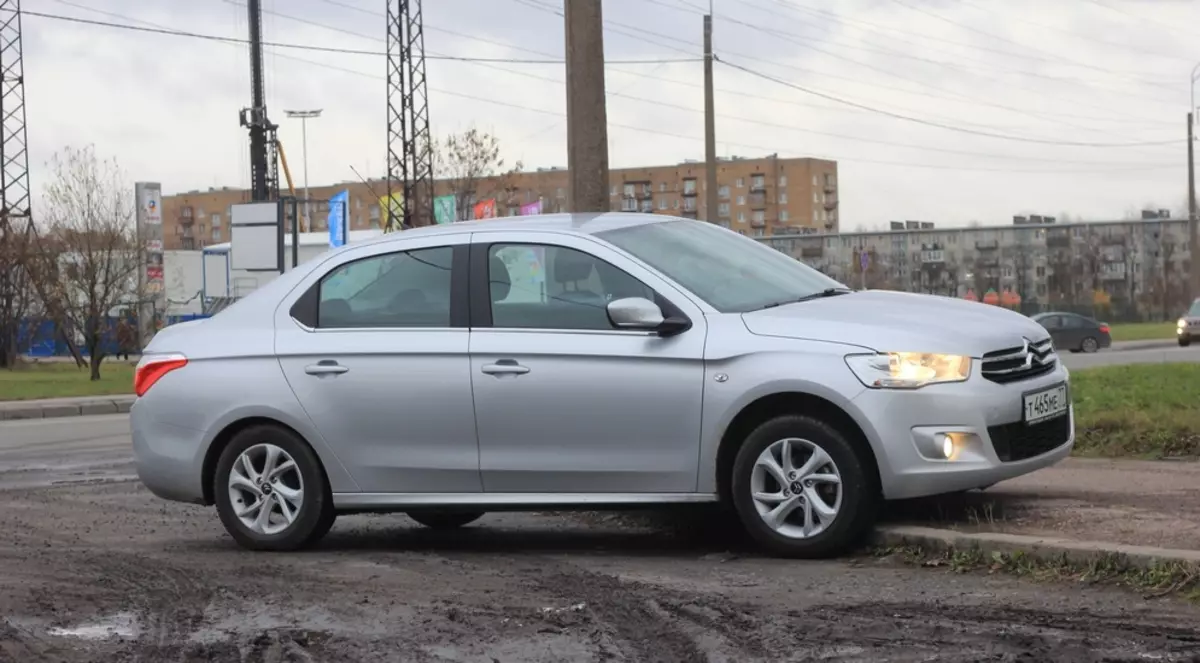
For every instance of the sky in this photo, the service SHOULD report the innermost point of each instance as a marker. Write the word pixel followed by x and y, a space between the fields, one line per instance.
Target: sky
pixel 952 111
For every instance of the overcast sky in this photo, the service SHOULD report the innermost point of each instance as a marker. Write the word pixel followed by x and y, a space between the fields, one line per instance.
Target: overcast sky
pixel 1095 93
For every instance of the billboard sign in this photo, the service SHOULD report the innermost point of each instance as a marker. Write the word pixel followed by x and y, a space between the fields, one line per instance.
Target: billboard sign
pixel 337 218
pixel 445 209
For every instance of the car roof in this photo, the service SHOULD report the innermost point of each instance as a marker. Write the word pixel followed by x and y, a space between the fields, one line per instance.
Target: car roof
pixel 588 223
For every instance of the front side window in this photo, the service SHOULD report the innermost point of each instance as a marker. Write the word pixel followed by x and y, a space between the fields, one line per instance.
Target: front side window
pixel 409 289
pixel 732 274
pixel 537 286
pixel 1195 310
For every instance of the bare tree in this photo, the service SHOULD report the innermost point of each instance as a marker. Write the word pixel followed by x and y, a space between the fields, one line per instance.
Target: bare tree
pixel 17 297
pixel 89 214
pixel 471 163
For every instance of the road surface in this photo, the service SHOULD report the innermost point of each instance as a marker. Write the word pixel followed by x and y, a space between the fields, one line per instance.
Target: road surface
pixel 1166 354
pixel 97 569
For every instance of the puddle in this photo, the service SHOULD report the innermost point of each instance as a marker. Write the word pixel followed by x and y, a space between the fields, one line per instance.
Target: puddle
pixel 120 625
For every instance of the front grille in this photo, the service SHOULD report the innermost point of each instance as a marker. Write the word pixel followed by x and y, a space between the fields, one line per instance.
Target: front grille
pixel 1018 441
pixel 1019 363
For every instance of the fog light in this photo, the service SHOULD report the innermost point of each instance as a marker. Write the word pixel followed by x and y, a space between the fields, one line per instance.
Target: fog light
pixel 947 447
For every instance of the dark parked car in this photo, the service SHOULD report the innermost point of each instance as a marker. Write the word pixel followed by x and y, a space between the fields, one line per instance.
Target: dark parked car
pixel 1074 332
pixel 1188 326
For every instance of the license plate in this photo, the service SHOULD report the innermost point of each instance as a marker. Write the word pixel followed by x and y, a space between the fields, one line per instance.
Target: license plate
pixel 1046 404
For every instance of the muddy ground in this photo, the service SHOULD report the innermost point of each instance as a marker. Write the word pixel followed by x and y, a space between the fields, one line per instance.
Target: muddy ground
pixel 93 568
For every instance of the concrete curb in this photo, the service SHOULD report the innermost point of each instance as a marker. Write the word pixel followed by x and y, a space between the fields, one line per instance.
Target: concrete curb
pixel 67 407
pixel 1077 552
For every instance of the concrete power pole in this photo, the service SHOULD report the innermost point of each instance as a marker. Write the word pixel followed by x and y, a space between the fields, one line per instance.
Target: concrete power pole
pixel 1193 238
pixel 587 117
pixel 710 128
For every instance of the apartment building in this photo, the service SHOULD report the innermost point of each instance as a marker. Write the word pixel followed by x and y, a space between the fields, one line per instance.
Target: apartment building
pixel 1137 268
pixel 758 197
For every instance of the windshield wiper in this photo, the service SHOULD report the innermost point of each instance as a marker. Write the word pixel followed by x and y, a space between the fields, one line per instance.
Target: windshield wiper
pixel 827 292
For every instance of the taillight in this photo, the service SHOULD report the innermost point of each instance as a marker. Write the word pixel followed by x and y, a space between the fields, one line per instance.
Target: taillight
pixel 152 367
pixel 1103 329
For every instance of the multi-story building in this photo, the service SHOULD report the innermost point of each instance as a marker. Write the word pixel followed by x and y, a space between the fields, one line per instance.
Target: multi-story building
pixel 757 197
pixel 1134 269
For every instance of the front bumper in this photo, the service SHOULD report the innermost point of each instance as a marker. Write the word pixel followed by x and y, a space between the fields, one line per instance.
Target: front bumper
pixel 983 416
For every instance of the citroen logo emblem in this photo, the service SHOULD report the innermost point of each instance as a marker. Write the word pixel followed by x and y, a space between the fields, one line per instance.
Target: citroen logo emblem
pixel 1028 354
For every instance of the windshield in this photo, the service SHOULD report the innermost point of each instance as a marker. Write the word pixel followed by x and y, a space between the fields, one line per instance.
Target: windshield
pixel 732 273
pixel 1194 311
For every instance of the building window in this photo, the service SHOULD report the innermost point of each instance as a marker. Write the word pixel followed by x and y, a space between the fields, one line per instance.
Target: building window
pixel 741 217
pixel 741 200
pixel 741 182
pixel 628 190
pixel 756 232
pixel 759 216
pixel 216 234
pixel 783 198
pixel 689 186
pixel 662 203
pixel 758 181
pixel 816 196
pixel 723 192
pixel 783 180
pixel 662 187
pixel 783 215
pixel 723 209
pixel 612 191
pixel 560 193
pixel 816 181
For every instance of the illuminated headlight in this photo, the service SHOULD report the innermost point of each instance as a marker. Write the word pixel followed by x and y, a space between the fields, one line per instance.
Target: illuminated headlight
pixel 1181 324
pixel 908 370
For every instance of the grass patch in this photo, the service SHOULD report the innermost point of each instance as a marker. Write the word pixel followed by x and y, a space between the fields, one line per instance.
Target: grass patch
pixel 1139 410
pixel 58 380
pixel 1156 580
pixel 1142 331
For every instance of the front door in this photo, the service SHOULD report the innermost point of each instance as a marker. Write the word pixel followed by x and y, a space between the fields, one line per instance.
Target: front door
pixel 564 402
pixel 384 373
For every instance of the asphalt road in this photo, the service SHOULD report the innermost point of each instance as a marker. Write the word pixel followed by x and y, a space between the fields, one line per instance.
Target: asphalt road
pixel 95 568
pixel 1165 353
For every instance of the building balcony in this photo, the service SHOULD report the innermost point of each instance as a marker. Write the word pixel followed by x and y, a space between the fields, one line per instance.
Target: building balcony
pixel 830 188
pixel 1058 241
pixel 1112 240
pixel 812 252
pixel 831 203
pixel 987 245
pixel 689 194
pixel 989 262
pixel 757 201
pixel 629 205
pixel 761 187
pixel 758 223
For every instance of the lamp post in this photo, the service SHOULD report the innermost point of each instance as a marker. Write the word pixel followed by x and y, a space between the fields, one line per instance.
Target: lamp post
pixel 303 116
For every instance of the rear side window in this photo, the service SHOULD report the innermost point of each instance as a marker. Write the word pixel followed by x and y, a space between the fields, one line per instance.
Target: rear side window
pixel 407 289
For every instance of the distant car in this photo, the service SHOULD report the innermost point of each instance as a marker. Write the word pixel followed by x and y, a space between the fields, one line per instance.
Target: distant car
pixel 1189 324
pixel 588 361
pixel 1074 332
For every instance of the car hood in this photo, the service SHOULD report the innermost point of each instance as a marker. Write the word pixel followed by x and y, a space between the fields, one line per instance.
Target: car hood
pixel 888 321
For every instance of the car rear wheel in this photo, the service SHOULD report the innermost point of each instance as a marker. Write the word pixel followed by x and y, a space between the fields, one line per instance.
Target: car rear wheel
pixel 445 519
pixel 1089 344
pixel 800 488
pixel 271 491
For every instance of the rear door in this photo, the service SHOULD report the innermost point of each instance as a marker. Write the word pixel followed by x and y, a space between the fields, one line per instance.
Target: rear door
pixel 1058 333
pixel 376 352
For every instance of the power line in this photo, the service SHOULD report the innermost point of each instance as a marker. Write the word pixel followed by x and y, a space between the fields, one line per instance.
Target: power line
pixel 322 49
pixel 940 125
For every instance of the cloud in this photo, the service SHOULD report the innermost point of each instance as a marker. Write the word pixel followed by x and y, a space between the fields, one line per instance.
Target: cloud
pixel 1070 71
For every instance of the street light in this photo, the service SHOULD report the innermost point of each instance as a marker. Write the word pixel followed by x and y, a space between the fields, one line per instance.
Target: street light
pixel 303 116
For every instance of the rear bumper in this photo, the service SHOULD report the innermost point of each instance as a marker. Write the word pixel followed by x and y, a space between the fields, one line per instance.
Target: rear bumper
pixel 166 457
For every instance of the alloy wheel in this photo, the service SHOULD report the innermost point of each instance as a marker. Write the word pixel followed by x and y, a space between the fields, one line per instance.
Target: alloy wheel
pixel 796 488
pixel 266 489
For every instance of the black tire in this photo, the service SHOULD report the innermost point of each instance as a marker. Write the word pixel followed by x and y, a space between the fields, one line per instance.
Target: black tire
pixel 316 514
pixel 1185 341
pixel 445 519
pixel 860 497
pixel 1089 345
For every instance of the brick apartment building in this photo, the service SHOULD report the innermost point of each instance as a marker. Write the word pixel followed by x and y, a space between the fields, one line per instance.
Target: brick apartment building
pixel 759 197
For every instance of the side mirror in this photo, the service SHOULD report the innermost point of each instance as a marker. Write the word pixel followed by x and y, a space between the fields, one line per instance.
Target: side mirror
pixel 639 313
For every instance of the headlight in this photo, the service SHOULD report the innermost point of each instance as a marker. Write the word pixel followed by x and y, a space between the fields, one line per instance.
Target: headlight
pixel 908 370
pixel 1181 324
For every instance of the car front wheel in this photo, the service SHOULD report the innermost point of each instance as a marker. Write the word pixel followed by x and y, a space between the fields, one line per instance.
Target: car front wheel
pixel 1185 341
pixel 1089 345
pixel 271 492
pixel 801 489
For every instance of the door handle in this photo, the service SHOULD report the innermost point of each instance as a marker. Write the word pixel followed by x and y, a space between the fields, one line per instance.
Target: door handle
pixel 325 367
pixel 504 367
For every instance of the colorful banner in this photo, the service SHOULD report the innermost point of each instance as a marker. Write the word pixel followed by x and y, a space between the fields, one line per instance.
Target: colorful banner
pixel 445 209
pixel 397 211
pixel 531 208
pixel 337 218
pixel 485 209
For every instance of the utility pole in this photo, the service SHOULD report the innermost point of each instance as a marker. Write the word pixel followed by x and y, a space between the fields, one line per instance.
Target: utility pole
pixel 587 117
pixel 1193 238
pixel 710 127
pixel 264 176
